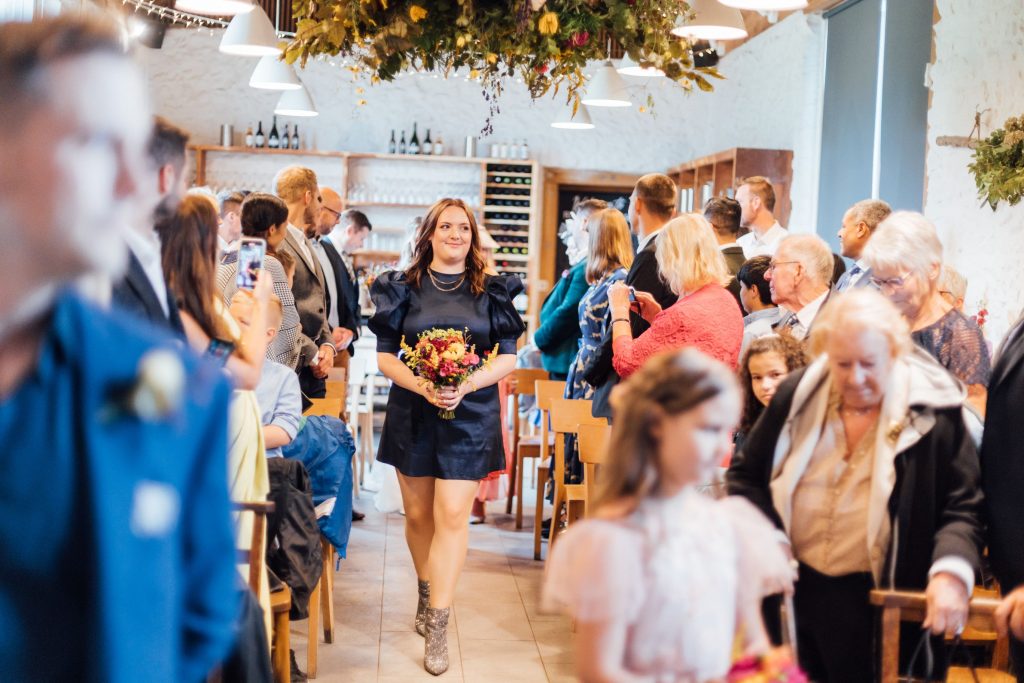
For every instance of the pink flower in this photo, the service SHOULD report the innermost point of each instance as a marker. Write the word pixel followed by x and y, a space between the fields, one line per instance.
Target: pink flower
pixel 579 39
pixel 472 359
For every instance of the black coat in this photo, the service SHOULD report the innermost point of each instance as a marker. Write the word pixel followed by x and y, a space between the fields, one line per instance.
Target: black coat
pixel 294 552
pixel 348 294
pixel 1002 464
pixel 935 506
pixel 643 276
pixel 134 294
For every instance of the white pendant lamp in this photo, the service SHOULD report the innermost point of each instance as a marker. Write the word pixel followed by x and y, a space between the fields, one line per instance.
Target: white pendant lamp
pixel 273 74
pixel 295 103
pixel 627 67
pixel 250 35
pixel 766 5
pixel 712 21
pixel 581 121
pixel 214 8
pixel 606 89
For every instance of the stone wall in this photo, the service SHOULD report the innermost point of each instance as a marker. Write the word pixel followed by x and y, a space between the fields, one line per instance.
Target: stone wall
pixel 979 63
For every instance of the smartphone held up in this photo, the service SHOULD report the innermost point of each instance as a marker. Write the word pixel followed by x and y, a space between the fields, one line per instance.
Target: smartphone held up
pixel 251 251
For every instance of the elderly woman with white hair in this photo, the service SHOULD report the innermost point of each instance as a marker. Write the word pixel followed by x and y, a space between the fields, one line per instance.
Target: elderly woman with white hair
pixel 705 317
pixel 905 257
pixel 863 460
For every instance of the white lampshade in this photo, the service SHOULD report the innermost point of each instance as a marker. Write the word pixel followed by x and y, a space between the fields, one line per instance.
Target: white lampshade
pixel 250 35
pixel 606 89
pixel 214 8
pixel 712 21
pixel 581 121
pixel 766 5
pixel 273 74
pixel 627 67
pixel 295 103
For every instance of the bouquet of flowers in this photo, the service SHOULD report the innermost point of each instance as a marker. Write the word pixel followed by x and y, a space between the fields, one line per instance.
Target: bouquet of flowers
pixel 775 666
pixel 444 358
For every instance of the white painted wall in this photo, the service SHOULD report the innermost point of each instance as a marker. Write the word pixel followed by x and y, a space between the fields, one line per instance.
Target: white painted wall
pixel 771 99
pixel 979 62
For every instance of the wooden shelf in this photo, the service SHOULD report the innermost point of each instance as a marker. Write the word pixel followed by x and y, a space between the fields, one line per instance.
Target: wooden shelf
pixel 511 174
pixel 508 186
pixel 400 205
pixel 268 150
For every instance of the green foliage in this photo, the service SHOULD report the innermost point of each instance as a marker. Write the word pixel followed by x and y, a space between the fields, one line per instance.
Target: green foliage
pixel 998 165
pixel 495 39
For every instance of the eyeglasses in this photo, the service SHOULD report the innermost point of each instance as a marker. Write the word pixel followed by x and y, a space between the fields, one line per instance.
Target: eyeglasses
pixel 775 264
pixel 337 214
pixel 892 283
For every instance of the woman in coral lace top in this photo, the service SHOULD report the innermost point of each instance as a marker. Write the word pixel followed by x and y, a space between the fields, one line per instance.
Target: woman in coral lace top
pixel 662 579
pixel 706 317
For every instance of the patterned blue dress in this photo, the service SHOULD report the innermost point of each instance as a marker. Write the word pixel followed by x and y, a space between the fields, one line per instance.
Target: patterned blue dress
pixel 594 321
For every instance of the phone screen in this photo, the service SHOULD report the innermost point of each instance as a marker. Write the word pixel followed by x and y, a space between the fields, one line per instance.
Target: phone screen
pixel 250 261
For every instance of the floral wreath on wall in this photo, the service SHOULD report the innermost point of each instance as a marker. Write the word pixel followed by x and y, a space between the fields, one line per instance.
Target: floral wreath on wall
pixel 998 165
pixel 546 43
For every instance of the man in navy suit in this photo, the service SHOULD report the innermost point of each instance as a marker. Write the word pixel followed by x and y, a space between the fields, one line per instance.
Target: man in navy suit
pixel 143 291
pixel 118 559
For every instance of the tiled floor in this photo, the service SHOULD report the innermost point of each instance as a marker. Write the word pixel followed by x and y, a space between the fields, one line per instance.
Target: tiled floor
pixel 496 635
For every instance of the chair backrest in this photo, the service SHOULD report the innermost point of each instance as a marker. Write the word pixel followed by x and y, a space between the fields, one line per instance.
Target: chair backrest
pixel 593 442
pixel 330 407
pixel 336 389
pixel 256 555
pixel 568 414
pixel 526 380
pixel 546 390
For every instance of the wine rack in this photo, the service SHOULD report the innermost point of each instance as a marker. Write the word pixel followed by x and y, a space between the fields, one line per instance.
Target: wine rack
pixel 508 213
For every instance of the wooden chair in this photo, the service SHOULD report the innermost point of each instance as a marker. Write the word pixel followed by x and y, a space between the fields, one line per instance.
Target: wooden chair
pixel 523 445
pixel 327 595
pixel 545 391
pixel 566 417
pixel 280 601
pixel 328 407
pixel 899 606
pixel 592 440
pixel 362 383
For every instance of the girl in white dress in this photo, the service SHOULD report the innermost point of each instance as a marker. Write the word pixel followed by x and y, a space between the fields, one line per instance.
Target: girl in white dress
pixel 662 579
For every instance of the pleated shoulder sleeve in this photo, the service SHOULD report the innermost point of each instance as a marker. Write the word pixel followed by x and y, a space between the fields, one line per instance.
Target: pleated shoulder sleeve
pixel 506 323
pixel 390 296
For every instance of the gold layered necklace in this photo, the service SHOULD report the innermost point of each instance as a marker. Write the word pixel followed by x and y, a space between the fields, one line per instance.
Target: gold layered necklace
pixel 452 285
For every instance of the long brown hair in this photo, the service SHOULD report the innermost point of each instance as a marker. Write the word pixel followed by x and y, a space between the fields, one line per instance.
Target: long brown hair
pixel 423 252
pixel 792 352
pixel 610 246
pixel 668 384
pixel 188 242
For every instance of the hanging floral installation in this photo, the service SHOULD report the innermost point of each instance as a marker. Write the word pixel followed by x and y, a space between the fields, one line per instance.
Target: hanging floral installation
pixel 546 43
pixel 998 165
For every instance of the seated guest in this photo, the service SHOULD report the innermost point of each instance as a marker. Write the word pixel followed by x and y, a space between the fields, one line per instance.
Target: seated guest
pixel 859 223
pixel 558 334
pixel 756 197
pixel 662 580
pixel 278 393
pixel 114 515
pixel 905 257
pixel 230 228
pixel 952 286
pixel 266 217
pixel 705 317
pixel 799 276
pixel 864 461
pixel 767 362
pixel 756 300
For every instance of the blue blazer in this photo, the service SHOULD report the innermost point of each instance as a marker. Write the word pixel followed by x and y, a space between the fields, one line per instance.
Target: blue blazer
pixel 165 595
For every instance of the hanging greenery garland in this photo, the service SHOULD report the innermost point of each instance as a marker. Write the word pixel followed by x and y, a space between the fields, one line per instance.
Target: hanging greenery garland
pixel 998 165
pixel 546 43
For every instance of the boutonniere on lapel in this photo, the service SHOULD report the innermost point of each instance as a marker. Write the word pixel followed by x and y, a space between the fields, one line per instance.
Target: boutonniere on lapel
pixel 155 394
pixel 894 431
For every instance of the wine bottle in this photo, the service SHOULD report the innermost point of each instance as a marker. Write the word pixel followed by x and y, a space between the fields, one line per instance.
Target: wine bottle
pixel 401 144
pixel 391 143
pixel 439 147
pixel 261 140
pixel 524 150
pixel 295 137
pixel 428 145
pixel 250 140
pixel 286 139
pixel 274 141
pixel 414 141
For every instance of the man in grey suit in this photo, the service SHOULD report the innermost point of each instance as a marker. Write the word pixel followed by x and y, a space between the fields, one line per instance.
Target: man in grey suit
pixel 859 223
pixel 297 186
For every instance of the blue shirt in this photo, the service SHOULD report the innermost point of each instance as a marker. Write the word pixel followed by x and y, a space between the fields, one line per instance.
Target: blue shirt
pixel 41 526
pixel 280 400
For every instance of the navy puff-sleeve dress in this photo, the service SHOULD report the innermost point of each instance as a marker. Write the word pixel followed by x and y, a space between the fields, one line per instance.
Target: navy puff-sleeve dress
pixel 415 440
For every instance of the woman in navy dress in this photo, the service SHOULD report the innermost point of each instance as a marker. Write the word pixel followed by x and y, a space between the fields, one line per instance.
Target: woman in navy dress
pixel 440 462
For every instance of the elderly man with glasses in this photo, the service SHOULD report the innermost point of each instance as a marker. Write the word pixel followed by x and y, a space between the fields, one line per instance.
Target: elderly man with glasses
pixel 799 277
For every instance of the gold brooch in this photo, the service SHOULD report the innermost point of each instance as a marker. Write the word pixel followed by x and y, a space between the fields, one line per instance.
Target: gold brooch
pixel 895 429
